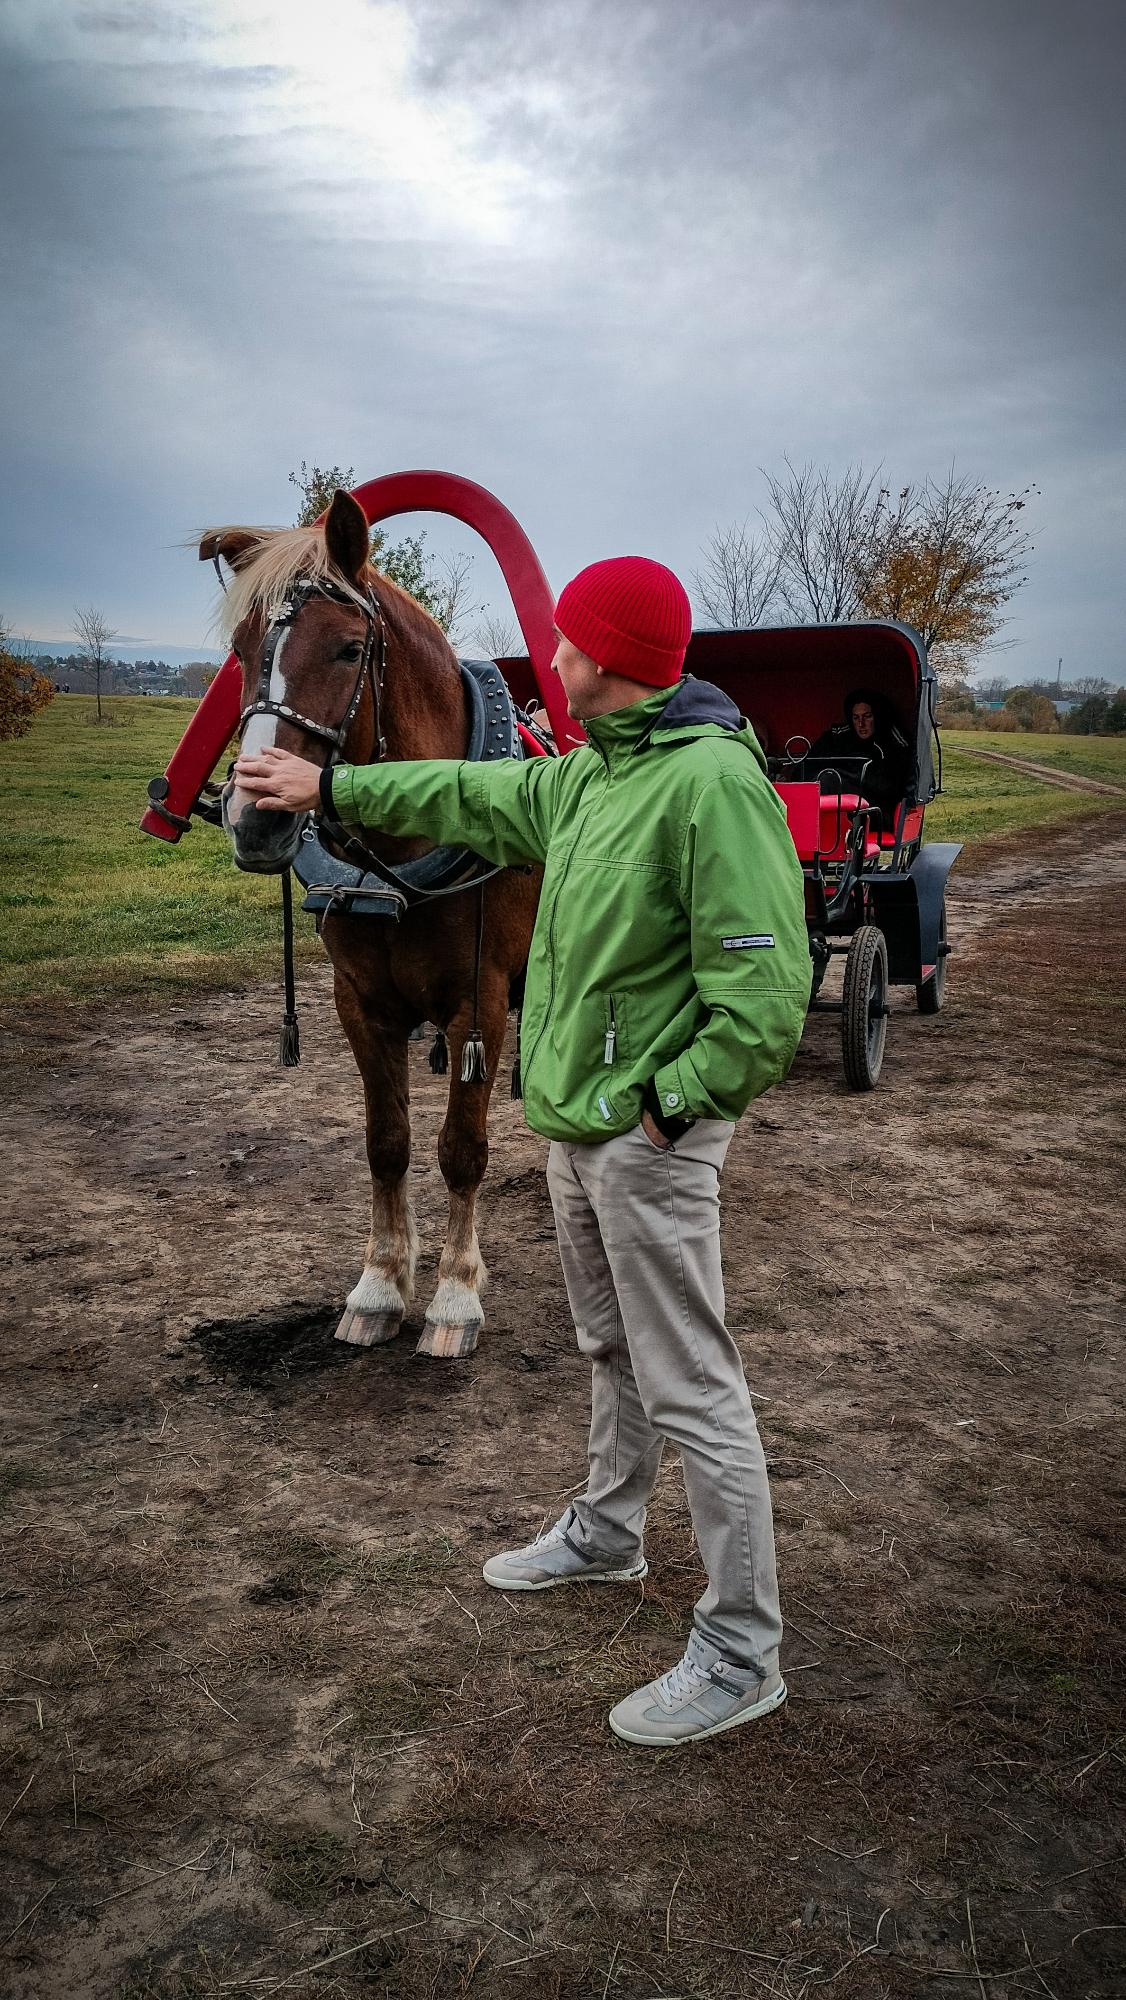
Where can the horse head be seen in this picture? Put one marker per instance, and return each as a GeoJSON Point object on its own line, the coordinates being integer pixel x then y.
{"type": "Point", "coordinates": [302, 619]}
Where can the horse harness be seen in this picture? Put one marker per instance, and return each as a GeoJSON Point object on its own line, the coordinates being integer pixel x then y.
{"type": "Point", "coordinates": [344, 875]}
{"type": "Point", "coordinates": [375, 643]}
{"type": "Point", "coordinates": [339, 872]}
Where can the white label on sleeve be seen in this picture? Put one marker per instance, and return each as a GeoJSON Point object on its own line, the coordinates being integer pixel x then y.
{"type": "Point", "coordinates": [758, 941]}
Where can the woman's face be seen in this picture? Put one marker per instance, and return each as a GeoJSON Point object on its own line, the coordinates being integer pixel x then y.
{"type": "Point", "coordinates": [863, 721]}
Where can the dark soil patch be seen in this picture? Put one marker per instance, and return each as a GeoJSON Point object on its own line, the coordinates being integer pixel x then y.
{"type": "Point", "coordinates": [277, 1344]}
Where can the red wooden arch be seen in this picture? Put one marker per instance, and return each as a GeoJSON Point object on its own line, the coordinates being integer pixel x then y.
{"type": "Point", "coordinates": [216, 719]}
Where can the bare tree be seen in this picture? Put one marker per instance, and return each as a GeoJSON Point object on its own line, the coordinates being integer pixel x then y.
{"type": "Point", "coordinates": [945, 556]}
{"type": "Point", "coordinates": [450, 584]}
{"type": "Point", "coordinates": [828, 536]}
{"type": "Point", "coordinates": [994, 689]}
{"type": "Point", "coordinates": [95, 637]}
{"type": "Point", "coordinates": [498, 636]}
{"type": "Point", "coordinates": [738, 580]}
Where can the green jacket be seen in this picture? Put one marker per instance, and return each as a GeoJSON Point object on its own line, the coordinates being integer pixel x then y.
{"type": "Point", "coordinates": [670, 944]}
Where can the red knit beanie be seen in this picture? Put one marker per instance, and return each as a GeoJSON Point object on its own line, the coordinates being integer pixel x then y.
{"type": "Point", "coordinates": [629, 615]}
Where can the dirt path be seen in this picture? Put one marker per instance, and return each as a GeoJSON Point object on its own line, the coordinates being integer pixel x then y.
{"type": "Point", "coordinates": [1071, 781]}
{"type": "Point", "coordinates": [260, 1714]}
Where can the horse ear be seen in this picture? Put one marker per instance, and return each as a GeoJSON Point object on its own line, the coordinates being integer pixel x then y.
{"type": "Point", "coordinates": [346, 535]}
{"type": "Point", "coordinates": [235, 545]}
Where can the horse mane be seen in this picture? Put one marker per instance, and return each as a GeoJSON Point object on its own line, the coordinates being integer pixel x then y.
{"type": "Point", "coordinates": [264, 579]}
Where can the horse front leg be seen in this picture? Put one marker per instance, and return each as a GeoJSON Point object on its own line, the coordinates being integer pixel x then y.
{"type": "Point", "coordinates": [454, 1317]}
{"type": "Point", "coordinates": [376, 1304]}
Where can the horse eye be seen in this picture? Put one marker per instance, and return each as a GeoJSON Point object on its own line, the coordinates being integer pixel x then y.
{"type": "Point", "coordinates": [351, 652]}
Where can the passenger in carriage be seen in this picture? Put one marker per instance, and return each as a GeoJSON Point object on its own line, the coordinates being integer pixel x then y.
{"type": "Point", "coordinates": [869, 731]}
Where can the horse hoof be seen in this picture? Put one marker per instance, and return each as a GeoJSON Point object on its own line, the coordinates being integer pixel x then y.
{"type": "Point", "coordinates": [363, 1329]}
{"type": "Point", "coordinates": [452, 1343]}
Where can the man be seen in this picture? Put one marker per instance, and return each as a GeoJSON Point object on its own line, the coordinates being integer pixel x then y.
{"type": "Point", "coordinates": [667, 985]}
{"type": "Point", "coordinates": [869, 733]}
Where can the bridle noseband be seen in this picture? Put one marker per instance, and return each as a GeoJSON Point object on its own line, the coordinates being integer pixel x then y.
{"type": "Point", "coordinates": [375, 646]}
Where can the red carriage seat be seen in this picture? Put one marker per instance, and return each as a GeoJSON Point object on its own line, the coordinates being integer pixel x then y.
{"type": "Point", "coordinates": [820, 822]}
{"type": "Point", "coordinates": [803, 816]}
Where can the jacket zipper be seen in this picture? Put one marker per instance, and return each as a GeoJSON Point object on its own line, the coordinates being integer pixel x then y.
{"type": "Point", "coordinates": [611, 1031]}
{"type": "Point", "coordinates": [530, 1057]}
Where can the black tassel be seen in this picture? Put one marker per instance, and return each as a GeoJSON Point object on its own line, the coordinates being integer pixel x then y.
{"type": "Point", "coordinates": [517, 1080]}
{"type": "Point", "coordinates": [289, 1047]}
{"type": "Point", "coordinates": [473, 1068]}
{"type": "Point", "coordinates": [439, 1057]}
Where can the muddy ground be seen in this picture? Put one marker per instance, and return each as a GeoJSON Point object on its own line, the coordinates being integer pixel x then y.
{"type": "Point", "coordinates": [265, 1730]}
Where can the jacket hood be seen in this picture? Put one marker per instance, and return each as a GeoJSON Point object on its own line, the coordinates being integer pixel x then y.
{"type": "Point", "coordinates": [694, 703]}
{"type": "Point", "coordinates": [688, 710]}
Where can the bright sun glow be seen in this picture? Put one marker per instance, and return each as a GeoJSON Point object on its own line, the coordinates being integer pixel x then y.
{"type": "Point", "coordinates": [324, 98]}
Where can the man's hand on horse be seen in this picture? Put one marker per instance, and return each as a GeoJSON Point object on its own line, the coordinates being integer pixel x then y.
{"type": "Point", "coordinates": [279, 781]}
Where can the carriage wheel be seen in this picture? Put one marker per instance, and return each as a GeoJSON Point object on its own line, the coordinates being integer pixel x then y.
{"type": "Point", "coordinates": [864, 1008]}
{"type": "Point", "coordinates": [931, 993]}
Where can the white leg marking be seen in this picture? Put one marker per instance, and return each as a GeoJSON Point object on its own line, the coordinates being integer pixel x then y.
{"type": "Point", "coordinates": [260, 732]}
{"type": "Point", "coordinates": [455, 1304]}
{"type": "Point", "coordinates": [387, 1281]}
{"type": "Point", "coordinates": [461, 1269]}
{"type": "Point", "coordinates": [375, 1294]}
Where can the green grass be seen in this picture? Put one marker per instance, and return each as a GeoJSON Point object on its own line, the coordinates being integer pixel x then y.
{"type": "Point", "coordinates": [1102, 757]}
{"type": "Point", "coordinates": [91, 906]}
{"type": "Point", "coordinates": [981, 800]}
{"type": "Point", "coordinates": [88, 903]}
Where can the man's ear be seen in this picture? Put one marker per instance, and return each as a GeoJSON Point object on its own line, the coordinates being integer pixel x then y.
{"type": "Point", "coordinates": [346, 535]}
{"type": "Point", "coordinates": [234, 545]}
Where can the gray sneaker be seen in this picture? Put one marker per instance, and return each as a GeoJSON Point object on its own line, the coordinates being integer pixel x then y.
{"type": "Point", "coordinates": [702, 1695]}
{"type": "Point", "coordinates": [557, 1557]}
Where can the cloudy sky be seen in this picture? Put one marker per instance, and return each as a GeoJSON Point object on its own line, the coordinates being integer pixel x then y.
{"type": "Point", "coordinates": [609, 257]}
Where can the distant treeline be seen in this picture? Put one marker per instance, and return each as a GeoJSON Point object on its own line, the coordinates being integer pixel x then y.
{"type": "Point", "coordinates": [1089, 707]}
{"type": "Point", "coordinates": [71, 673]}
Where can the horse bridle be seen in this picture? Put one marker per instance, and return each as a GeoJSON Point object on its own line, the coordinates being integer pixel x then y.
{"type": "Point", "coordinates": [375, 646]}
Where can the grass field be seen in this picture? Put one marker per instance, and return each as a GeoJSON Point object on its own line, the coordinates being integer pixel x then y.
{"type": "Point", "coordinates": [981, 800]}
{"type": "Point", "coordinates": [90, 905]}
{"type": "Point", "coordinates": [1102, 757]}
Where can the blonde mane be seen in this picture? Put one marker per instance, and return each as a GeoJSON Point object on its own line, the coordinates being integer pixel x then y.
{"type": "Point", "coordinates": [263, 581]}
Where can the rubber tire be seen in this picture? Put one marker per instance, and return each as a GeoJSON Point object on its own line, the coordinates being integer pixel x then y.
{"type": "Point", "coordinates": [863, 1046]}
{"type": "Point", "coordinates": [931, 993]}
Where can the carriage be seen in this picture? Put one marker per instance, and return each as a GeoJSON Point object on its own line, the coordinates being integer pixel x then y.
{"type": "Point", "coordinates": [875, 894]}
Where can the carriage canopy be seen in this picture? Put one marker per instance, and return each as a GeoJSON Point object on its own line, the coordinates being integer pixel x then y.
{"type": "Point", "coordinates": [792, 680]}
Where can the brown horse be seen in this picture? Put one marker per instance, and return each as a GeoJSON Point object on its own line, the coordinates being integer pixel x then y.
{"type": "Point", "coordinates": [309, 598]}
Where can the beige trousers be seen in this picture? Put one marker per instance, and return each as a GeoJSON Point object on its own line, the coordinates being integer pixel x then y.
{"type": "Point", "coordinates": [638, 1235]}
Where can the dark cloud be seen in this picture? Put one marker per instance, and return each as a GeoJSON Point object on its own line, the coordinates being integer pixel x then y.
{"type": "Point", "coordinates": [609, 258]}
